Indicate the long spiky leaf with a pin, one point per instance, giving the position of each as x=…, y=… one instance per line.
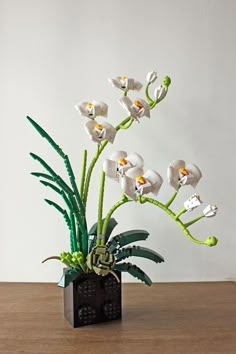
x=45, y=135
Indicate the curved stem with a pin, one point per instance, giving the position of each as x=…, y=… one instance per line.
x=111, y=211
x=128, y=124
x=170, y=201
x=187, y=224
x=100, y=202
x=150, y=101
x=172, y=215
x=94, y=160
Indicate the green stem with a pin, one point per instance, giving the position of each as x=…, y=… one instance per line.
x=94, y=160
x=127, y=125
x=100, y=202
x=170, y=201
x=182, y=211
x=187, y=224
x=150, y=101
x=111, y=211
x=83, y=171
x=173, y=216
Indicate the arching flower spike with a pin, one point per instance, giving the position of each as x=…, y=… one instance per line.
x=134, y=184
x=92, y=109
x=100, y=131
x=137, y=109
x=120, y=162
x=178, y=174
x=125, y=84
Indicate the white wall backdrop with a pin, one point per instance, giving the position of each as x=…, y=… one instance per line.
x=55, y=53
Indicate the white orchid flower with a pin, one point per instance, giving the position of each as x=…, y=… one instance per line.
x=151, y=77
x=137, y=109
x=100, y=131
x=178, y=174
x=193, y=202
x=120, y=163
x=92, y=109
x=124, y=83
x=210, y=211
x=135, y=184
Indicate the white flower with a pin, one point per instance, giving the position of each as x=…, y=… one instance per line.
x=210, y=211
x=178, y=175
x=134, y=184
x=151, y=77
x=124, y=83
x=100, y=131
x=137, y=109
x=92, y=109
x=160, y=92
x=193, y=202
x=119, y=163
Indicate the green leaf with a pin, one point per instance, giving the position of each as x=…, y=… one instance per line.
x=45, y=135
x=138, y=252
x=69, y=276
x=126, y=238
x=134, y=271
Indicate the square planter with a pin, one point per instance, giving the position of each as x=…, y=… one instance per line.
x=92, y=298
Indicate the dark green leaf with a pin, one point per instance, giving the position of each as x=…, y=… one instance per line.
x=138, y=252
x=69, y=276
x=125, y=238
x=134, y=271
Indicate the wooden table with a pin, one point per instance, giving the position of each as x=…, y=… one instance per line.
x=176, y=318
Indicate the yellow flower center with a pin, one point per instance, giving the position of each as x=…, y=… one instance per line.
x=138, y=104
x=89, y=105
x=99, y=127
x=122, y=161
x=141, y=179
x=123, y=78
x=183, y=171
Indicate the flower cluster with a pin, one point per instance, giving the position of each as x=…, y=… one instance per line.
x=128, y=170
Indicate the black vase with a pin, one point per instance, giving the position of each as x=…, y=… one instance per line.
x=92, y=298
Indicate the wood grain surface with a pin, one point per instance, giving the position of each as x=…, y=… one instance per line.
x=175, y=318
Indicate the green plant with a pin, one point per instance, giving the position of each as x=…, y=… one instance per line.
x=95, y=250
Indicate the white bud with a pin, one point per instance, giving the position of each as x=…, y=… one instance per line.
x=151, y=77
x=210, y=211
x=193, y=202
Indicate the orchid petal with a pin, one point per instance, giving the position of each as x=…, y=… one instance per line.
x=195, y=171
x=110, y=169
x=128, y=187
x=117, y=155
x=155, y=179
x=126, y=103
x=177, y=164
x=135, y=159
x=173, y=177
x=134, y=172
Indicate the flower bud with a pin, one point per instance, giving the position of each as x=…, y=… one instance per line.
x=210, y=211
x=193, y=202
x=166, y=81
x=151, y=77
x=211, y=241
